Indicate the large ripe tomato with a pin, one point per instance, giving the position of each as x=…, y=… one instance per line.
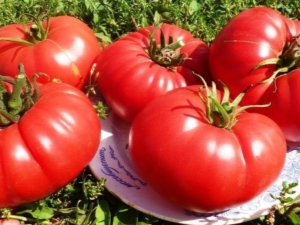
x=134, y=70
x=200, y=165
x=48, y=146
x=65, y=50
x=255, y=37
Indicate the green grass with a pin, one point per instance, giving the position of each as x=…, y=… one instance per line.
x=85, y=200
x=111, y=19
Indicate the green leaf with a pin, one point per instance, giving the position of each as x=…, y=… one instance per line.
x=288, y=199
x=157, y=18
x=294, y=218
x=194, y=7
x=90, y=4
x=37, y=211
x=284, y=184
x=127, y=215
x=142, y=223
x=116, y=221
x=80, y=219
x=95, y=18
x=144, y=22
x=103, y=37
x=297, y=198
x=103, y=214
x=43, y=212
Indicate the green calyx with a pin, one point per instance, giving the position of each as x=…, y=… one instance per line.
x=288, y=61
x=165, y=54
x=22, y=97
x=222, y=113
x=35, y=34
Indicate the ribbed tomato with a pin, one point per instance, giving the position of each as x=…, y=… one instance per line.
x=46, y=146
x=145, y=64
x=259, y=48
x=63, y=48
x=201, y=158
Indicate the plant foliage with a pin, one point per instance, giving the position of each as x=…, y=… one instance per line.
x=85, y=200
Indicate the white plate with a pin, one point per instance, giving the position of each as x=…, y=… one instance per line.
x=112, y=162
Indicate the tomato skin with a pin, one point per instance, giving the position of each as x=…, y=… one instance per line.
x=198, y=166
x=49, y=146
x=245, y=41
x=128, y=78
x=293, y=28
x=67, y=53
x=282, y=94
x=267, y=34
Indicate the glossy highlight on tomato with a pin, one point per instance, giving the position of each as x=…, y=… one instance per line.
x=197, y=165
x=135, y=69
x=49, y=146
x=257, y=50
x=65, y=52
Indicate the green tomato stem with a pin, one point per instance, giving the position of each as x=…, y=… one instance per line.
x=288, y=61
x=3, y=110
x=7, y=118
x=15, y=101
x=35, y=34
x=222, y=113
x=165, y=54
x=174, y=46
x=17, y=40
x=24, y=94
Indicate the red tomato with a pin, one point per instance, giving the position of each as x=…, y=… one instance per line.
x=199, y=166
x=129, y=76
x=252, y=37
x=49, y=146
x=66, y=53
x=9, y=222
x=293, y=28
